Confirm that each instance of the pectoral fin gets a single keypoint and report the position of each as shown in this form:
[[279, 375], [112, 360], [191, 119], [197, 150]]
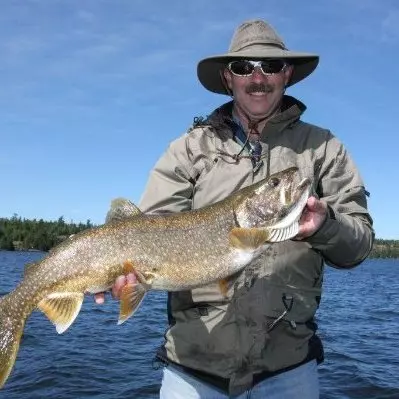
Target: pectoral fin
[[131, 297], [62, 308], [243, 238]]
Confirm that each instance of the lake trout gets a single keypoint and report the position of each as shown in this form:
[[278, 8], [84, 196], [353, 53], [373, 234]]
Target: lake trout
[[177, 251]]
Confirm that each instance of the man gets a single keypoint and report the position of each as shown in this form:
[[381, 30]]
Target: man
[[259, 340]]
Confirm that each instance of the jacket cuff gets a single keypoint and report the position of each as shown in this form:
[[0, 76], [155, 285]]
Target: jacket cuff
[[343, 241]]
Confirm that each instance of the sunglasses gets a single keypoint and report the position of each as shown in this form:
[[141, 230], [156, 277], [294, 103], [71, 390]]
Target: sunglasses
[[247, 67]]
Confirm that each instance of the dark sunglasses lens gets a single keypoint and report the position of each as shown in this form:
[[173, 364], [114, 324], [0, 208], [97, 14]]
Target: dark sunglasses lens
[[245, 68], [272, 66], [241, 68]]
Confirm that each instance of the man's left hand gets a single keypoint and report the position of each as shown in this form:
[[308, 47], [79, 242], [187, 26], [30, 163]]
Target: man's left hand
[[313, 216]]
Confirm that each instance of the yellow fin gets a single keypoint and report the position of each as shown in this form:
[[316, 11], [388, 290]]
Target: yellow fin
[[62, 308], [243, 238], [131, 297]]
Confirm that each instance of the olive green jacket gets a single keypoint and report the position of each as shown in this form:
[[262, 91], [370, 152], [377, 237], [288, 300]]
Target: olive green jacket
[[265, 322]]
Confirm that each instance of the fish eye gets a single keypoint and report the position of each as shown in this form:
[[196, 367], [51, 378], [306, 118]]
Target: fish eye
[[274, 182]]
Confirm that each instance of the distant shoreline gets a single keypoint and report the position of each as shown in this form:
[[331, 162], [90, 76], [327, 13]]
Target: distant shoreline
[[39, 235]]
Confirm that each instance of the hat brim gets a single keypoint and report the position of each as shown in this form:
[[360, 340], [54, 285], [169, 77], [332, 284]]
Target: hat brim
[[208, 69]]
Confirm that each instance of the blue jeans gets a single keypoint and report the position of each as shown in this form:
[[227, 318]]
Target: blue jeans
[[301, 382]]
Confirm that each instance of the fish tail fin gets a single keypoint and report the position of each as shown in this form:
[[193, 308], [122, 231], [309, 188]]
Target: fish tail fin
[[11, 329]]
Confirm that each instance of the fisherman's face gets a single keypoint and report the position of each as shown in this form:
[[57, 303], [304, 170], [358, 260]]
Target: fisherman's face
[[259, 95]]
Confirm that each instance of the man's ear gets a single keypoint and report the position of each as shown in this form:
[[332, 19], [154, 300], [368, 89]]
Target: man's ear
[[288, 73], [226, 77]]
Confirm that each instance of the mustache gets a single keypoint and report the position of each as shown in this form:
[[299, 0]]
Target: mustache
[[259, 88]]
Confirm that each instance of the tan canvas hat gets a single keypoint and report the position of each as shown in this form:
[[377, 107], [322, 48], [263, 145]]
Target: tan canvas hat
[[255, 40]]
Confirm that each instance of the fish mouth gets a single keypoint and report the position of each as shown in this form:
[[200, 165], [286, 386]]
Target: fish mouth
[[288, 227]]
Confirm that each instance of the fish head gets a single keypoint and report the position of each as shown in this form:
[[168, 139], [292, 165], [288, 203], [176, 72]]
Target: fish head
[[275, 203]]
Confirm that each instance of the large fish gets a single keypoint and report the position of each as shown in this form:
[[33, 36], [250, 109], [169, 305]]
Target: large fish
[[166, 252]]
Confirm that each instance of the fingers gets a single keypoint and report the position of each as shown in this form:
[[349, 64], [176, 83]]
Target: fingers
[[118, 285], [99, 298], [315, 205], [312, 218], [116, 290], [120, 282], [131, 278]]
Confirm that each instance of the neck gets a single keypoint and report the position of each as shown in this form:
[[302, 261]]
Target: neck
[[248, 121]]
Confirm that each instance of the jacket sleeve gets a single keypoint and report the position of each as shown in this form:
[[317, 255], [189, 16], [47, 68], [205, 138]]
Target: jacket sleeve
[[171, 182], [346, 237]]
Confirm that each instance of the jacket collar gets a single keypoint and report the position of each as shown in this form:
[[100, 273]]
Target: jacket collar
[[292, 109]]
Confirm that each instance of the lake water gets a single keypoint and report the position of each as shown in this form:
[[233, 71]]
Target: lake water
[[95, 358]]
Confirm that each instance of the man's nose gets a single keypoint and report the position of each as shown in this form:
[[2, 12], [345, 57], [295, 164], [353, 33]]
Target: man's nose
[[258, 75]]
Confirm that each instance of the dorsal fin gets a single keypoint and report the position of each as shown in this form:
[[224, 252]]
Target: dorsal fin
[[121, 209]]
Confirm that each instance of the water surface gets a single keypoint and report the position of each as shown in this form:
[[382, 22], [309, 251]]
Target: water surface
[[95, 358]]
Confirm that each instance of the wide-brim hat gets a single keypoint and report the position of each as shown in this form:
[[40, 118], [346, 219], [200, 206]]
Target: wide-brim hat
[[255, 40]]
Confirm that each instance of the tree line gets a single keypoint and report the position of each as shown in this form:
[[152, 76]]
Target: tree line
[[385, 249], [24, 234]]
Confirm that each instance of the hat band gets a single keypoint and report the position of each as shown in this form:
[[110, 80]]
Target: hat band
[[259, 46]]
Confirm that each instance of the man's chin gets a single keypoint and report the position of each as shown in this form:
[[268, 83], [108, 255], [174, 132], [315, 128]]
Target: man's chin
[[257, 114]]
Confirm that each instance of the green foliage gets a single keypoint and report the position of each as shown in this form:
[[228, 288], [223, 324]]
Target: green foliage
[[24, 234], [385, 249]]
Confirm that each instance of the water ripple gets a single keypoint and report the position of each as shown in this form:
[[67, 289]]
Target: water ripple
[[95, 358]]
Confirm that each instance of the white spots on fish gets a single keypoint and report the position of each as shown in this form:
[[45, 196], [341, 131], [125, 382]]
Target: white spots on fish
[[220, 239], [7, 336]]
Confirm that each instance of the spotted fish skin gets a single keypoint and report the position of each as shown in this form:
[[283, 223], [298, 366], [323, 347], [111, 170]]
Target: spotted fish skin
[[166, 252]]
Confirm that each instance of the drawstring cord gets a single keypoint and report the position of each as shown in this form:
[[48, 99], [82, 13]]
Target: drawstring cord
[[288, 302], [250, 141]]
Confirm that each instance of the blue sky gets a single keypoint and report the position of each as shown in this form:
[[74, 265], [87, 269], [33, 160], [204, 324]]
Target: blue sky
[[92, 92]]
